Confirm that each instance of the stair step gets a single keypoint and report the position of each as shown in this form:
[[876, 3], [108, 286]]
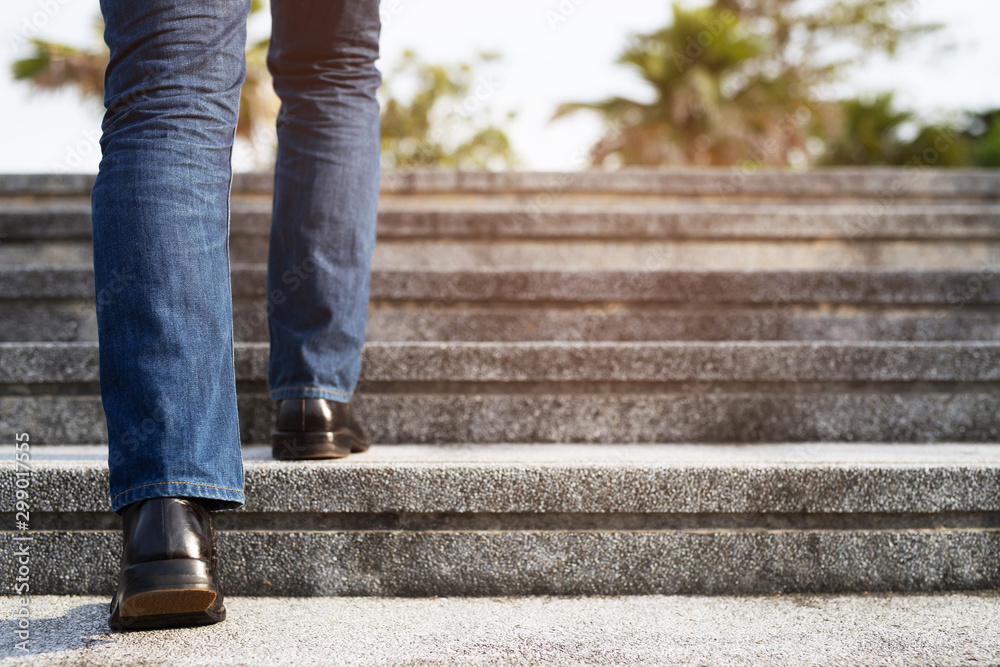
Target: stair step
[[57, 304], [562, 520], [885, 185], [608, 255], [62, 321], [943, 629], [949, 288], [575, 217], [534, 479], [584, 392], [532, 362], [691, 412], [653, 219]]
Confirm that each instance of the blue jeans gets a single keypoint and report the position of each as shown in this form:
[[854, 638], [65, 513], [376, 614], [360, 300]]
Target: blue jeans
[[160, 211]]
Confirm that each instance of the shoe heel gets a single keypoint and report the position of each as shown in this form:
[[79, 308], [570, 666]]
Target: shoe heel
[[176, 586], [294, 446]]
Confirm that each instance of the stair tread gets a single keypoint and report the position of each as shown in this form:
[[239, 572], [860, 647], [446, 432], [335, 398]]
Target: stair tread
[[659, 455], [887, 184], [940, 629], [576, 217], [557, 361], [540, 478], [773, 288]]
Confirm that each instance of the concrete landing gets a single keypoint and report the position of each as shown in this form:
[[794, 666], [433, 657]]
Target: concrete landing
[[952, 629]]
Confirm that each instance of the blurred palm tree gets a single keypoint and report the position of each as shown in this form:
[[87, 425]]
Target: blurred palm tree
[[446, 121], [693, 117], [871, 132], [740, 81], [868, 132], [54, 66]]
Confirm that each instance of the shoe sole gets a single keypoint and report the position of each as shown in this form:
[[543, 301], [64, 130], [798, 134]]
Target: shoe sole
[[303, 445], [167, 594], [179, 601]]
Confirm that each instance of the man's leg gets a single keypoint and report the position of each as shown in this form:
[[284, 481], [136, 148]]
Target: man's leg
[[322, 57], [161, 258], [164, 310]]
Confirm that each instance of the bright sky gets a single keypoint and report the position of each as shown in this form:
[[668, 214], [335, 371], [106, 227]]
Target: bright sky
[[542, 66]]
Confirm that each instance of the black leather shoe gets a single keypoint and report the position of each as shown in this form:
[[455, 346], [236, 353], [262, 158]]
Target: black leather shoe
[[169, 567], [315, 428]]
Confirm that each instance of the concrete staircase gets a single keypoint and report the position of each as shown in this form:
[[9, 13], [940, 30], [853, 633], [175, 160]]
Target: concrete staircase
[[696, 382]]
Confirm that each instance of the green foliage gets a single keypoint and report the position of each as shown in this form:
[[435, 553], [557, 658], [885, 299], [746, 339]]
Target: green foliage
[[700, 109], [445, 121], [741, 81], [934, 146], [868, 132], [982, 135], [871, 132], [733, 82], [53, 66]]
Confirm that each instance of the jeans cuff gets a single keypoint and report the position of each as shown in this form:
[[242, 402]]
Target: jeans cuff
[[218, 497], [311, 391]]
